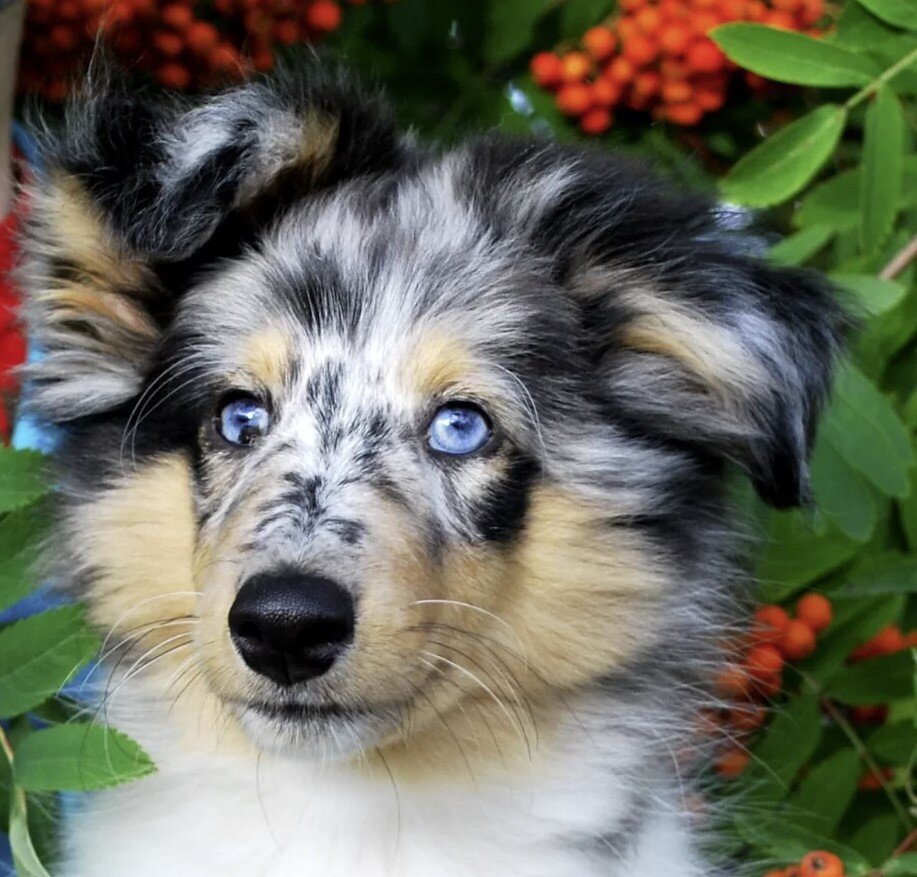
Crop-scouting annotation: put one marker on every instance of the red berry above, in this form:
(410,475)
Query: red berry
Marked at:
(177,16)
(201,37)
(324,16)
(704,57)
(732,763)
(596,121)
(574,99)
(640,49)
(600,42)
(798,641)
(547,70)
(816,611)
(174,75)
(576,66)
(820,863)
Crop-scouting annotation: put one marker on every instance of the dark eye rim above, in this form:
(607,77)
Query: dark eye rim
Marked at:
(228,398)
(493,443)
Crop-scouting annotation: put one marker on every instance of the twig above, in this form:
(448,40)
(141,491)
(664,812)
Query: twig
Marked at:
(870,89)
(900,260)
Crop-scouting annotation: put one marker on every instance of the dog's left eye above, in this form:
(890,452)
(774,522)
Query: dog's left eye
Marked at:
(459,428)
(242,420)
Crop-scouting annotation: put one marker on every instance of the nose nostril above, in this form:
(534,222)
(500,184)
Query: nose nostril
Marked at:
(289,626)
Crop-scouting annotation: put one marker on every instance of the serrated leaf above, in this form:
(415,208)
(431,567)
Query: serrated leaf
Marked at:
(788,56)
(800,246)
(865,429)
(883,168)
(510,26)
(826,792)
(21,478)
(577,16)
(796,555)
(25,858)
(788,743)
(891,573)
(39,654)
(878,680)
(79,758)
(841,493)
(900,13)
(21,532)
(877,296)
(894,743)
(778,168)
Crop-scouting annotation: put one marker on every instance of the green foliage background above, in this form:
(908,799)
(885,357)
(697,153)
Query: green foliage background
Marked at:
(840,182)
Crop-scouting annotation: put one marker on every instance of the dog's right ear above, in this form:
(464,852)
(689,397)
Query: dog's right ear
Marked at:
(135,189)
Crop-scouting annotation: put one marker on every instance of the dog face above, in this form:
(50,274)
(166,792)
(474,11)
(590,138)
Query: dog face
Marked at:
(363,437)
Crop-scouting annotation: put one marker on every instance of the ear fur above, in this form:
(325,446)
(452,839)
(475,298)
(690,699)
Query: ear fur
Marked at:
(696,337)
(137,191)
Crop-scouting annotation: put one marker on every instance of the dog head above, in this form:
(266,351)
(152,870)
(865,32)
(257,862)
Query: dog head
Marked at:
(368,435)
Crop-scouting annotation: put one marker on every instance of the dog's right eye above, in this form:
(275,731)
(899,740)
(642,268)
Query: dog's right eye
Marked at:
(242,420)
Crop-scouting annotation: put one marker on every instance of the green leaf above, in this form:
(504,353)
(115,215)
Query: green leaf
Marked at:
(577,16)
(21,478)
(894,743)
(877,296)
(864,428)
(877,837)
(826,792)
(24,856)
(797,555)
(900,13)
(801,246)
(859,29)
(39,654)
(79,758)
(841,493)
(788,743)
(778,168)
(21,532)
(510,27)
(788,56)
(891,573)
(904,865)
(878,680)
(883,168)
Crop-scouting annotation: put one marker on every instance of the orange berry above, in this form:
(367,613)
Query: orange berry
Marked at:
(816,611)
(812,11)
(596,121)
(225,58)
(710,99)
(627,28)
(769,686)
(263,59)
(702,22)
(889,640)
(177,16)
(547,70)
(201,37)
(747,718)
(777,872)
(640,49)
(676,91)
(732,763)
(705,57)
(763,661)
(620,70)
(606,92)
(684,114)
(574,99)
(647,84)
(781,20)
(733,10)
(168,44)
(173,75)
(600,42)
(798,641)
(820,863)
(324,16)
(791,6)
(63,38)
(755,10)
(631,5)
(674,39)
(910,640)
(576,66)
(770,623)
(287,32)
(648,20)
(732,682)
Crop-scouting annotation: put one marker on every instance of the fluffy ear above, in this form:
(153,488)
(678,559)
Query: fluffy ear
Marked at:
(697,338)
(138,193)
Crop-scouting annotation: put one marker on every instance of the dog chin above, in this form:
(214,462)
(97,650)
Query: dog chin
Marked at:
(324,733)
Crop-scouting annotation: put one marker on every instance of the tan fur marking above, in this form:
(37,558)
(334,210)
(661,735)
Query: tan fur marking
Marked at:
(436,362)
(267,356)
(319,138)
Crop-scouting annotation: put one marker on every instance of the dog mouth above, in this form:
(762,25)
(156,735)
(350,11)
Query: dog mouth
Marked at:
(306,714)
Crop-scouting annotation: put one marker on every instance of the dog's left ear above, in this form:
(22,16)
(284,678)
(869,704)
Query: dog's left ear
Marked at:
(696,337)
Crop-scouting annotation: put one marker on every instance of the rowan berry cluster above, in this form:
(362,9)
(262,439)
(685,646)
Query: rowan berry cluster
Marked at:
(818,863)
(183,44)
(887,641)
(656,56)
(757,673)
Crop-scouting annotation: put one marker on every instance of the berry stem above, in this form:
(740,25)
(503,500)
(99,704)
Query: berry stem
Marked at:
(858,744)
(868,90)
(900,260)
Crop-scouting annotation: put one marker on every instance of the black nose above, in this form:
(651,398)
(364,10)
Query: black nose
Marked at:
(290,626)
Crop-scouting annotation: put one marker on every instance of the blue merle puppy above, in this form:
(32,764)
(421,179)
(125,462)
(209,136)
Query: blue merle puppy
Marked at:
(396,477)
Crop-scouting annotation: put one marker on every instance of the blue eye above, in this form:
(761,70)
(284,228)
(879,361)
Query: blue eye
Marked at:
(242,420)
(459,428)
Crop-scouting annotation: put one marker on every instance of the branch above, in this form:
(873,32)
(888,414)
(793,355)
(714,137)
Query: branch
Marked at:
(900,260)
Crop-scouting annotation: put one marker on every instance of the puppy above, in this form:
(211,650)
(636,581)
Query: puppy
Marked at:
(397,479)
